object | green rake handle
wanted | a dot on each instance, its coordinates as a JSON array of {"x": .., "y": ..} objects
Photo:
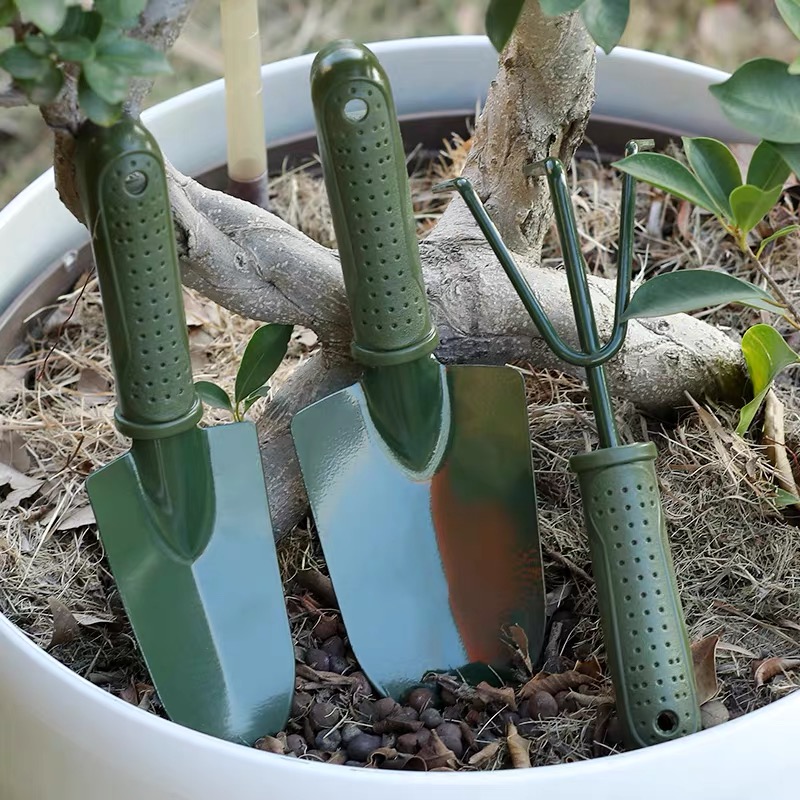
[
  {"x": 365, "y": 176},
  {"x": 123, "y": 190},
  {"x": 645, "y": 636}
]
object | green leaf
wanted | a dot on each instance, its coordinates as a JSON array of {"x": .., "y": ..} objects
[
  {"x": 750, "y": 204},
  {"x": 44, "y": 90},
  {"x": 554, "y": 8},
  {"x": 121, "y": 13},
  {"x": 767, "y": 167},
  {"x": 106, "y": 80},
  {"x": 47, "y": 15},
  {"x": 263, "y": 354},
  {"x": 777, "y": 235},
  {"x": 7, "y": 12},
  {"x": 501, "y": 17},
  {"x": 95, "y": 107},
  {"x": 784, "y": 498},
  {"x": 691, "y": 290},
  {"x": 715, "y": 168},
  {"x": 80, "y": 23},
  {"x": 794, "y": 67},
  {"x": 19, "y": 62},
  {"x": 213, "y": 395},
  {"x": 606, "y": 20},
  {"x": 132, "y": 57},
  {"x": 790, "y": 153},
  {"x": 253, "y": 396},
  {"x": 37, "y": 44},
  {"x": 78, "y": 49},
  {"x": 766, "y": 354},
  {"x": 668, "y": 174},
  {"x": 762, "y": 98},
  {"x": 790, "y": 11}
]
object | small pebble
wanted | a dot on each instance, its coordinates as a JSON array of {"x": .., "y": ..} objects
[
  {"x": 565, "y": 702},
  {"x": 384, "y": 707},
  {"x": 431, "y": 718},
  {"x": 419, "y": 699},
  {"x": 366, "y": 708},
  {"x": 338, "y": 664},
  {"x": 360, "y": 747},
  {"x": 541, "y": 706},
  {"x": 713, "y": 713},
  {"x": 364, "y": 686},
  {"x": 408, "y": 743},
  {"x": 325, "y": 628},
  {"x": 504, "y": 717},
  {"x": 324, "y": 715},
  {"x": 296, "y": 744},
  {"x": 349, "y": 732},
  {"x": 300, "y": 703},
  {"x": 614, "y": 734},
  {"x": 334, "y": 646},
  {"x": 354, "y": 763},
  {"x": 328, "y": 741},
  {"x": 388, "y": 740},
  {"x": 450, "y": 734},
  {"x": 448, "y": 698},
  {"x": 318, "y": 659}
]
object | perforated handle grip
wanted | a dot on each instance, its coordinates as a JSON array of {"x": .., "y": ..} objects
[
  {"x": 126, "y": 206},
  {"x": 365, "y": 175},
  {"x": 640, "y": 611}
]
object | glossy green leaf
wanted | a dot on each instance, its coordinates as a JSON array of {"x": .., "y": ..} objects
[
  {"x": 691, "y": 290},
  {"x": 501, "y": 17},
  {"x": 790, "y": 11},
  {"x": 554, "y": 8},
  {"x": 95, "y": 107},
  {"x": 7, "y": 12},
  {"x": 766, "y": 354},
  {"x": 37, "y": 44},
  {"x": 750, "y": 204},
  {"x": 213, "y": 395},
  {"x": 122, "y": 13},
  {"x": 106, "y": 80},
  {"x": 777, "y": 235},
  {"x": 606, "y": 20},
  {"x": 253, "y": 396},
  {"x": 762, "y": 98},
  {"x": 668, "y": 174},
  {"x": 44, "y": 90},
  {"x": 263, "y": 354},
  {"x": 80, "y": 23},
  {"x": 767, "y": 167},
  {"x": 47, "y": 15},
  {"x": 78, "y": 49},
  {"x": 132, "y": 57},
  {"x": 19, "y": 62},
  {"x": 715, "y": 167}
]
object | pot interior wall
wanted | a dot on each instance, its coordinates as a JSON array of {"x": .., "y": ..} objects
[{"x": 604, "y": 139}]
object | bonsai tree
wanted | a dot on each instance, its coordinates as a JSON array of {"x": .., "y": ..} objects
[{"x": 77, "y": 63}]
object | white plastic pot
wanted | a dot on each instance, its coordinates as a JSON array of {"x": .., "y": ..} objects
[{"x": 61, "y": 737}]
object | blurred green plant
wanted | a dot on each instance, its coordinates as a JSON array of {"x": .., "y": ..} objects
[
  {"x": 56, "y": 40},
  {"x": 262, "y": 356}
]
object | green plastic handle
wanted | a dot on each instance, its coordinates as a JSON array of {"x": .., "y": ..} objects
[
  {"x": 640, "y": 611},
  {"x": 123, "y": 190},
  {"x": 365, "y": 175}
]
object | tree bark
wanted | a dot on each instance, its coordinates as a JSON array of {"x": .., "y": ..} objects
[{"x": 254, "y": 264}]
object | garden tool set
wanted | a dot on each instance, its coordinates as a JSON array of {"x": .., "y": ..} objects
[{"x": 419, "y": 475}]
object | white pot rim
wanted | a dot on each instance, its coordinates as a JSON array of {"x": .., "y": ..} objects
[{"x": 207, "y": 765}]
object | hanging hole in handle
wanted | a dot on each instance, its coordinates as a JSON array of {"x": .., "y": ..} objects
[
  {"x": 667, "y": 722},
  {"x": 135, "y": 182},
  {"x": 355, "y": 109}
]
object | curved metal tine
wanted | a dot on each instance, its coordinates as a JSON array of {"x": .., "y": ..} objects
[{"x": 561, "y": 349}]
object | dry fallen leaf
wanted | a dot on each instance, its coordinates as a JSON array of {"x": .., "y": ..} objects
[
  {"x": 435, "y": 753},
  {"x": 520, "y": 639},
  {"x": 493, "y": 694},
  {"x": 21, "y": 486},
  {"x": 713, "y": 713},
  {"x": 200, "y": 312},
  {"x": 518, "y": 748},
  {"x": 94, "y": 387},
  {"x": 65, "y": 626},
  {"x": 705, "y": 668},
  {"x": 484, "y": 755},
  {"x": 13, "y": 451},
  {"x": 553, "y": 684},
  {"x": 766, "y": 670},
  {"x": 590, "y": 668},
  {"x": 269, "y": 744},
  {"x": 12, "y": 381}
]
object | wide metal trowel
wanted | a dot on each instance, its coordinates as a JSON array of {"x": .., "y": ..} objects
[
  {"x": 183, "y": 515},
  {"x": 419, "y": 476}
]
